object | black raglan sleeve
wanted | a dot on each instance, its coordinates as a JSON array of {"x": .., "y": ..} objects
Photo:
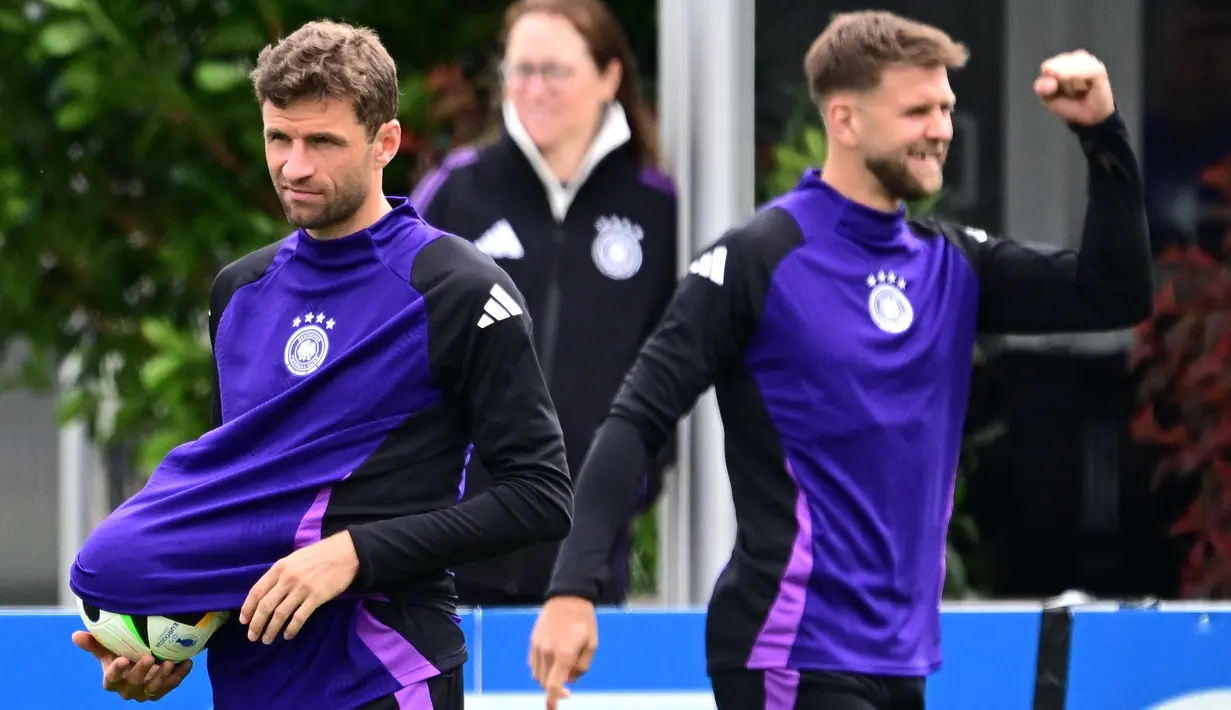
[
  {"x": 230, "y": 279},
  {"x": 482, "y": 355},
  {"x": 1104, "y": 285},
  {"x": 703, "y": 334},
  {"x": 215, "y": 315},
  {"x": 664, "y": 286}
]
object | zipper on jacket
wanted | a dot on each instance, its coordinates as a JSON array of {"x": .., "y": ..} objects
[{"x": 549, "y": 328}]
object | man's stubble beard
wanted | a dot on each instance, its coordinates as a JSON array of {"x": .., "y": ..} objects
[
  {"x": 342, "y": 207},
  {"x": 894, "y": 176}
]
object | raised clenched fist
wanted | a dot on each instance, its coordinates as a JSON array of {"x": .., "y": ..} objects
[{"x": 1075, "y": 87}]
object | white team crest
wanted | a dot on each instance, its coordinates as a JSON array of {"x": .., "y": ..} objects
[
  {"x": 890, "y": 309},
  {"x": 617, "y": 247},
  {"x": 308, "y": 345}
]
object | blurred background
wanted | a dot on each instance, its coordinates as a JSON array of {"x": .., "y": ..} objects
[{"x": 132, "y": 169}]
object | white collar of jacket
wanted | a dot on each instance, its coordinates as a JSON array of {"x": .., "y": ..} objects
[{"x": 613, "y": 133}]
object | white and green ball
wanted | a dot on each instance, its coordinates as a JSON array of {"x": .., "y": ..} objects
[{"x": 172, "y": 638}]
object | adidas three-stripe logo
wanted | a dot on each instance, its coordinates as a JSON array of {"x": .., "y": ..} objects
[
  {"x": 711, "y": 265},
  {"x": 499, "y": 307}
]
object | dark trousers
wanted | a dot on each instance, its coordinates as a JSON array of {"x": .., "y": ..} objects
[
  {"x": 814, "y": 690},
  {"x": 444, "y": 692}
]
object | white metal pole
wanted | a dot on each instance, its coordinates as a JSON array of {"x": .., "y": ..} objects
[
  {"x": 675, "y": 119},
  {"x": 721, "y": 39},
  {"x": 74, "y": 489}
]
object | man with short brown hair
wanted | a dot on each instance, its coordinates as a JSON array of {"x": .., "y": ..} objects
[
  {"x": 857, "y": 46},
  {"x": 360, "y": 361},
  {"x": 838, "y": 336},
  {"x": 358, "y": 67}
]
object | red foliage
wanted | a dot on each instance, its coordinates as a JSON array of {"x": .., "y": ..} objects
[
  {"x": 456, "y": 114},
  {"x": 1218, "y": 176},
  {"x": 1184, "y": 353}
]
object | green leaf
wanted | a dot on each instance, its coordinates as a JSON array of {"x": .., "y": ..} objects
[
  {"x": 81, "y": 77},
  {"x": 158, "y": 371},
  {"x": 77, "y": 403},
  {"x": 969, "y": 529},
  {"x": 161, "y": 334},
  {"x": 12, "y": 206},
  {"x": 235, "y": 38},
  {"x": 73, "y": 116},
  {"x": 37, "y": 371},
  {"x": 63, "y": 37},
  {"x": 784, "y": 154},
  {"x": 957, "y": 585},
  {"x": 217, "y": 77},
  {"x": 156, "y": 448},
  {"x": 643, "y": 554},
  {"x": 64, "y": 4},
  {"x": 416, "y": 100},
  {"x": 818, "y": 147},
  {"x": 12, "y": 22}
]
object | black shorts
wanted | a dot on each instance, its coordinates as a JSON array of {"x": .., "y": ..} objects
[
  {"x": 444, "y": 692},
  {"x": 814, "y": 690}
]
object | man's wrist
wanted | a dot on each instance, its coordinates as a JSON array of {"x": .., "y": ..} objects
[
  {"x": 1111, "y": 121},
  {"x": 347, "y": 552}
]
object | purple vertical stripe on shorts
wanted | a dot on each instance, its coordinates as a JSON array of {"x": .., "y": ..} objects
[
  {"x": 431, "y": 183},
  {"x": 781, "y": 688},
  {"x": 415, "y": 696},
  {"x": 773, "y": 645},
  {"x": 461, "y": 486},
  {"x": 400, "y": 658}
]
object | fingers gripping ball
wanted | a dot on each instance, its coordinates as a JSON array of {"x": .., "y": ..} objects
[{"x": 172, "y": 638}]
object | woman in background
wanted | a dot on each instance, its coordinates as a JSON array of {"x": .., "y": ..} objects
[{"x": 570, "y": 200}]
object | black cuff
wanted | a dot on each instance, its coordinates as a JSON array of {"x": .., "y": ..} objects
[
  {"x": 591, "y": 595},
  {"x": 361, "y": 538},
  {"x": 1113, "y": 124}
]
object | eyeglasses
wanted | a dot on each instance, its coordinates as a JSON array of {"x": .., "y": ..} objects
[{"x": 552, "y": 73}]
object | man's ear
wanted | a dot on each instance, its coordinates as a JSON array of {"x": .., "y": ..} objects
[
  {"x": 388, "y": 142},
  {"x": 841, "y": 119}
]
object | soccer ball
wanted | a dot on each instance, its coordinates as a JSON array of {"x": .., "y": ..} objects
[{"x": 172, "y": 638}]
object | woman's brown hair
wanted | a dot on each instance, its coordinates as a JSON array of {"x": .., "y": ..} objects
[{"x": 605, "y": 37}]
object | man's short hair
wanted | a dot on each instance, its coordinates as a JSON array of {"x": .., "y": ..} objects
[
  {"x": 856, "y": 48},
  {"x": 330, "y": 60}
]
